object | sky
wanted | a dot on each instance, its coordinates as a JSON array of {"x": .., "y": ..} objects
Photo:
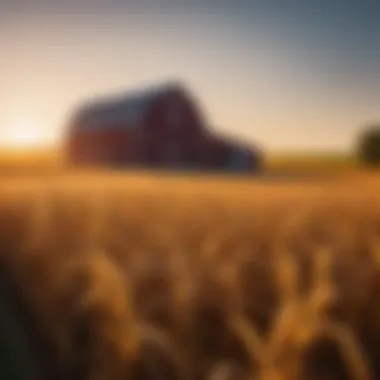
[{"x": 285, "y": 74}]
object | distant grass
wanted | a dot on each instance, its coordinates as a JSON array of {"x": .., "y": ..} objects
[
  {"x": 26, "y": 163},
  {"x": 302, "y": 161},
  {"x": 52, "y": 163}
]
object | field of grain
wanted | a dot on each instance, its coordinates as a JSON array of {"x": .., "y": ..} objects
[{"x": 208, "y": 278}]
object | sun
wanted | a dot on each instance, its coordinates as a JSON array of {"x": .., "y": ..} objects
[{"x": 23, "y": 135}]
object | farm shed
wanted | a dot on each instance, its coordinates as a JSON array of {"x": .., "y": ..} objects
[{"x": 161, "y": 126}]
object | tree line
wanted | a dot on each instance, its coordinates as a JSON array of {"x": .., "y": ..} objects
[{"x": 368, "y": 145}]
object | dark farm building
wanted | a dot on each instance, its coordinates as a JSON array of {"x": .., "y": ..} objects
[{"x": 159, "y": 127}]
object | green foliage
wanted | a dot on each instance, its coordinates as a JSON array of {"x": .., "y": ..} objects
[{"x": 369, "y": 146}]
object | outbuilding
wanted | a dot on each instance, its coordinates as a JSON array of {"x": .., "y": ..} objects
[{"x": 160, "y": 126}]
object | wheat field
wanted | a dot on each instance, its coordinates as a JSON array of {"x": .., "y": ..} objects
[{"x": 209, "y": 279}]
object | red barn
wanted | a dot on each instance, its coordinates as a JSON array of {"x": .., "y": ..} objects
[{"x": 157, "y": 127}]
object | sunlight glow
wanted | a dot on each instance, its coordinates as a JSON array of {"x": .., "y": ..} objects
[{"x": 23, "y": 135}]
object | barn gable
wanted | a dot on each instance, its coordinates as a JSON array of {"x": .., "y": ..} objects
[{"x": 125, "y": 111}]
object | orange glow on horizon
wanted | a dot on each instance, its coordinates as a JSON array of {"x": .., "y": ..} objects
[{"x": 23, "y": 135}]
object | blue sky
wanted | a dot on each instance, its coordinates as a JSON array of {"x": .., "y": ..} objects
[{"x": 287, "y": 74}]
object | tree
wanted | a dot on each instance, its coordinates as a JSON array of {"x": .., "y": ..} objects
[{"x": 368, "y": 148}]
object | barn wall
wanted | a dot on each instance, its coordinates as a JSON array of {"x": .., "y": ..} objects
[
  {"x": 240, "y": 159},
  {"x": 109, "y": 146},
  {"x": 214, "y": 153}
]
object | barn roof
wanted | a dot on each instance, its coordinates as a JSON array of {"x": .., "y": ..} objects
[{"x": 126, "y": 110}]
